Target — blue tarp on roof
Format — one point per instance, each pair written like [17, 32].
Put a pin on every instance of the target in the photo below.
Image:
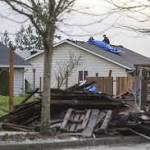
[104, 46]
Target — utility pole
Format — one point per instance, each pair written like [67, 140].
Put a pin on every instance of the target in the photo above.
[11, 78]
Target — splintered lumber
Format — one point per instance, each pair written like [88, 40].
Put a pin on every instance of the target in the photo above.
[28, 97]
[23, 114]
[106, 120]
[56, 125]
[140, 134]
[15, 127]
[99, 121]
[88, 131]
[82, 117]
[75, 121]
[81, 95]
[141, 128]
[100, 117]
[66, 119]
[85, 104]
[80, 120]
[85, 120]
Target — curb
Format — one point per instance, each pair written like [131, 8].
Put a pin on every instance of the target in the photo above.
[74, 143]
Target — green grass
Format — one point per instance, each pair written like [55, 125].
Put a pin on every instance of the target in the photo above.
[4, 103]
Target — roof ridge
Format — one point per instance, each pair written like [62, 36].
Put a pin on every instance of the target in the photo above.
[75, 41]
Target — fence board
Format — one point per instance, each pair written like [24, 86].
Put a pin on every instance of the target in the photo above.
[124, 84]
[105, 84]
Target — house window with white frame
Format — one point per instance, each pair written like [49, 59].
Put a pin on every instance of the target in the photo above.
[82, 75]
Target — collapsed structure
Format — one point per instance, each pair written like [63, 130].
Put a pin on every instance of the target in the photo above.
[81, 110]
[78, 112]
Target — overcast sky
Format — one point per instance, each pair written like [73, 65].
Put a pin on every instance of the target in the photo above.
[134, 41]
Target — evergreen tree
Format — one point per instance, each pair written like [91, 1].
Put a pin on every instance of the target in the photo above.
[27, 38]
[5, 39]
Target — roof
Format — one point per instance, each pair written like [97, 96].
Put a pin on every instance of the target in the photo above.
[26, 52]
[126, 59]
[4, 58]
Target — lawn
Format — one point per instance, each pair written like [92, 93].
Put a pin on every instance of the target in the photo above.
[4, 103]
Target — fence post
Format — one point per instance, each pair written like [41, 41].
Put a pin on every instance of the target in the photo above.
[115, 86]
[140, 87]
[34, 71]
[40, 84]
[11, 79]
[67, 76]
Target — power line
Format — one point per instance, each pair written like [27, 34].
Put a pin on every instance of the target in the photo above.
[13, 20]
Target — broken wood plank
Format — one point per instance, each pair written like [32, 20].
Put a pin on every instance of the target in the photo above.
[85, 120]
[16, 127]
[28, 97]
[75, 122]
[66, 119]
[88, 131]
[101, 103]
[56, 125]
[106, 120]
[139, 133]
[99, 120]
[100, 117]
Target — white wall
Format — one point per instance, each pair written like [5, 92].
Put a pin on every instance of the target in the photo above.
[36, 63]
[88, 62]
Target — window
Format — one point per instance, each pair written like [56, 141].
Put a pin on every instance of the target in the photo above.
[82, 75]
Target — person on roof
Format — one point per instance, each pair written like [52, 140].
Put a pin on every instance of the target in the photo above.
[91, 38]
[106, 40]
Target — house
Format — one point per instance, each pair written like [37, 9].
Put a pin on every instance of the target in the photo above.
[94, 61]
[19, 65]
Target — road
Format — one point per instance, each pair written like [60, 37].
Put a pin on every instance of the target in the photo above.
[116, 147]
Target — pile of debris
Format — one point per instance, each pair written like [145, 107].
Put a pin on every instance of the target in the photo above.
[76, 111]
[86, 122]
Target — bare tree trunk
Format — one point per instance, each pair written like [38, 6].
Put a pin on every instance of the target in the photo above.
[46, 99]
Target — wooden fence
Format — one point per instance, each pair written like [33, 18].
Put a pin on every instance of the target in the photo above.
[104, 84]
[113, 86]
[124, 84]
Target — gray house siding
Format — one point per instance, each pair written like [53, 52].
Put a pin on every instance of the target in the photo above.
[19, 65]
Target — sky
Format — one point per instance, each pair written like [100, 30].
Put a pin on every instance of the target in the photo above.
[82, 26]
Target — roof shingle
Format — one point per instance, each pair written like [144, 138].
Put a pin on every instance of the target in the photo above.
[4, 57]
[126, 57]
